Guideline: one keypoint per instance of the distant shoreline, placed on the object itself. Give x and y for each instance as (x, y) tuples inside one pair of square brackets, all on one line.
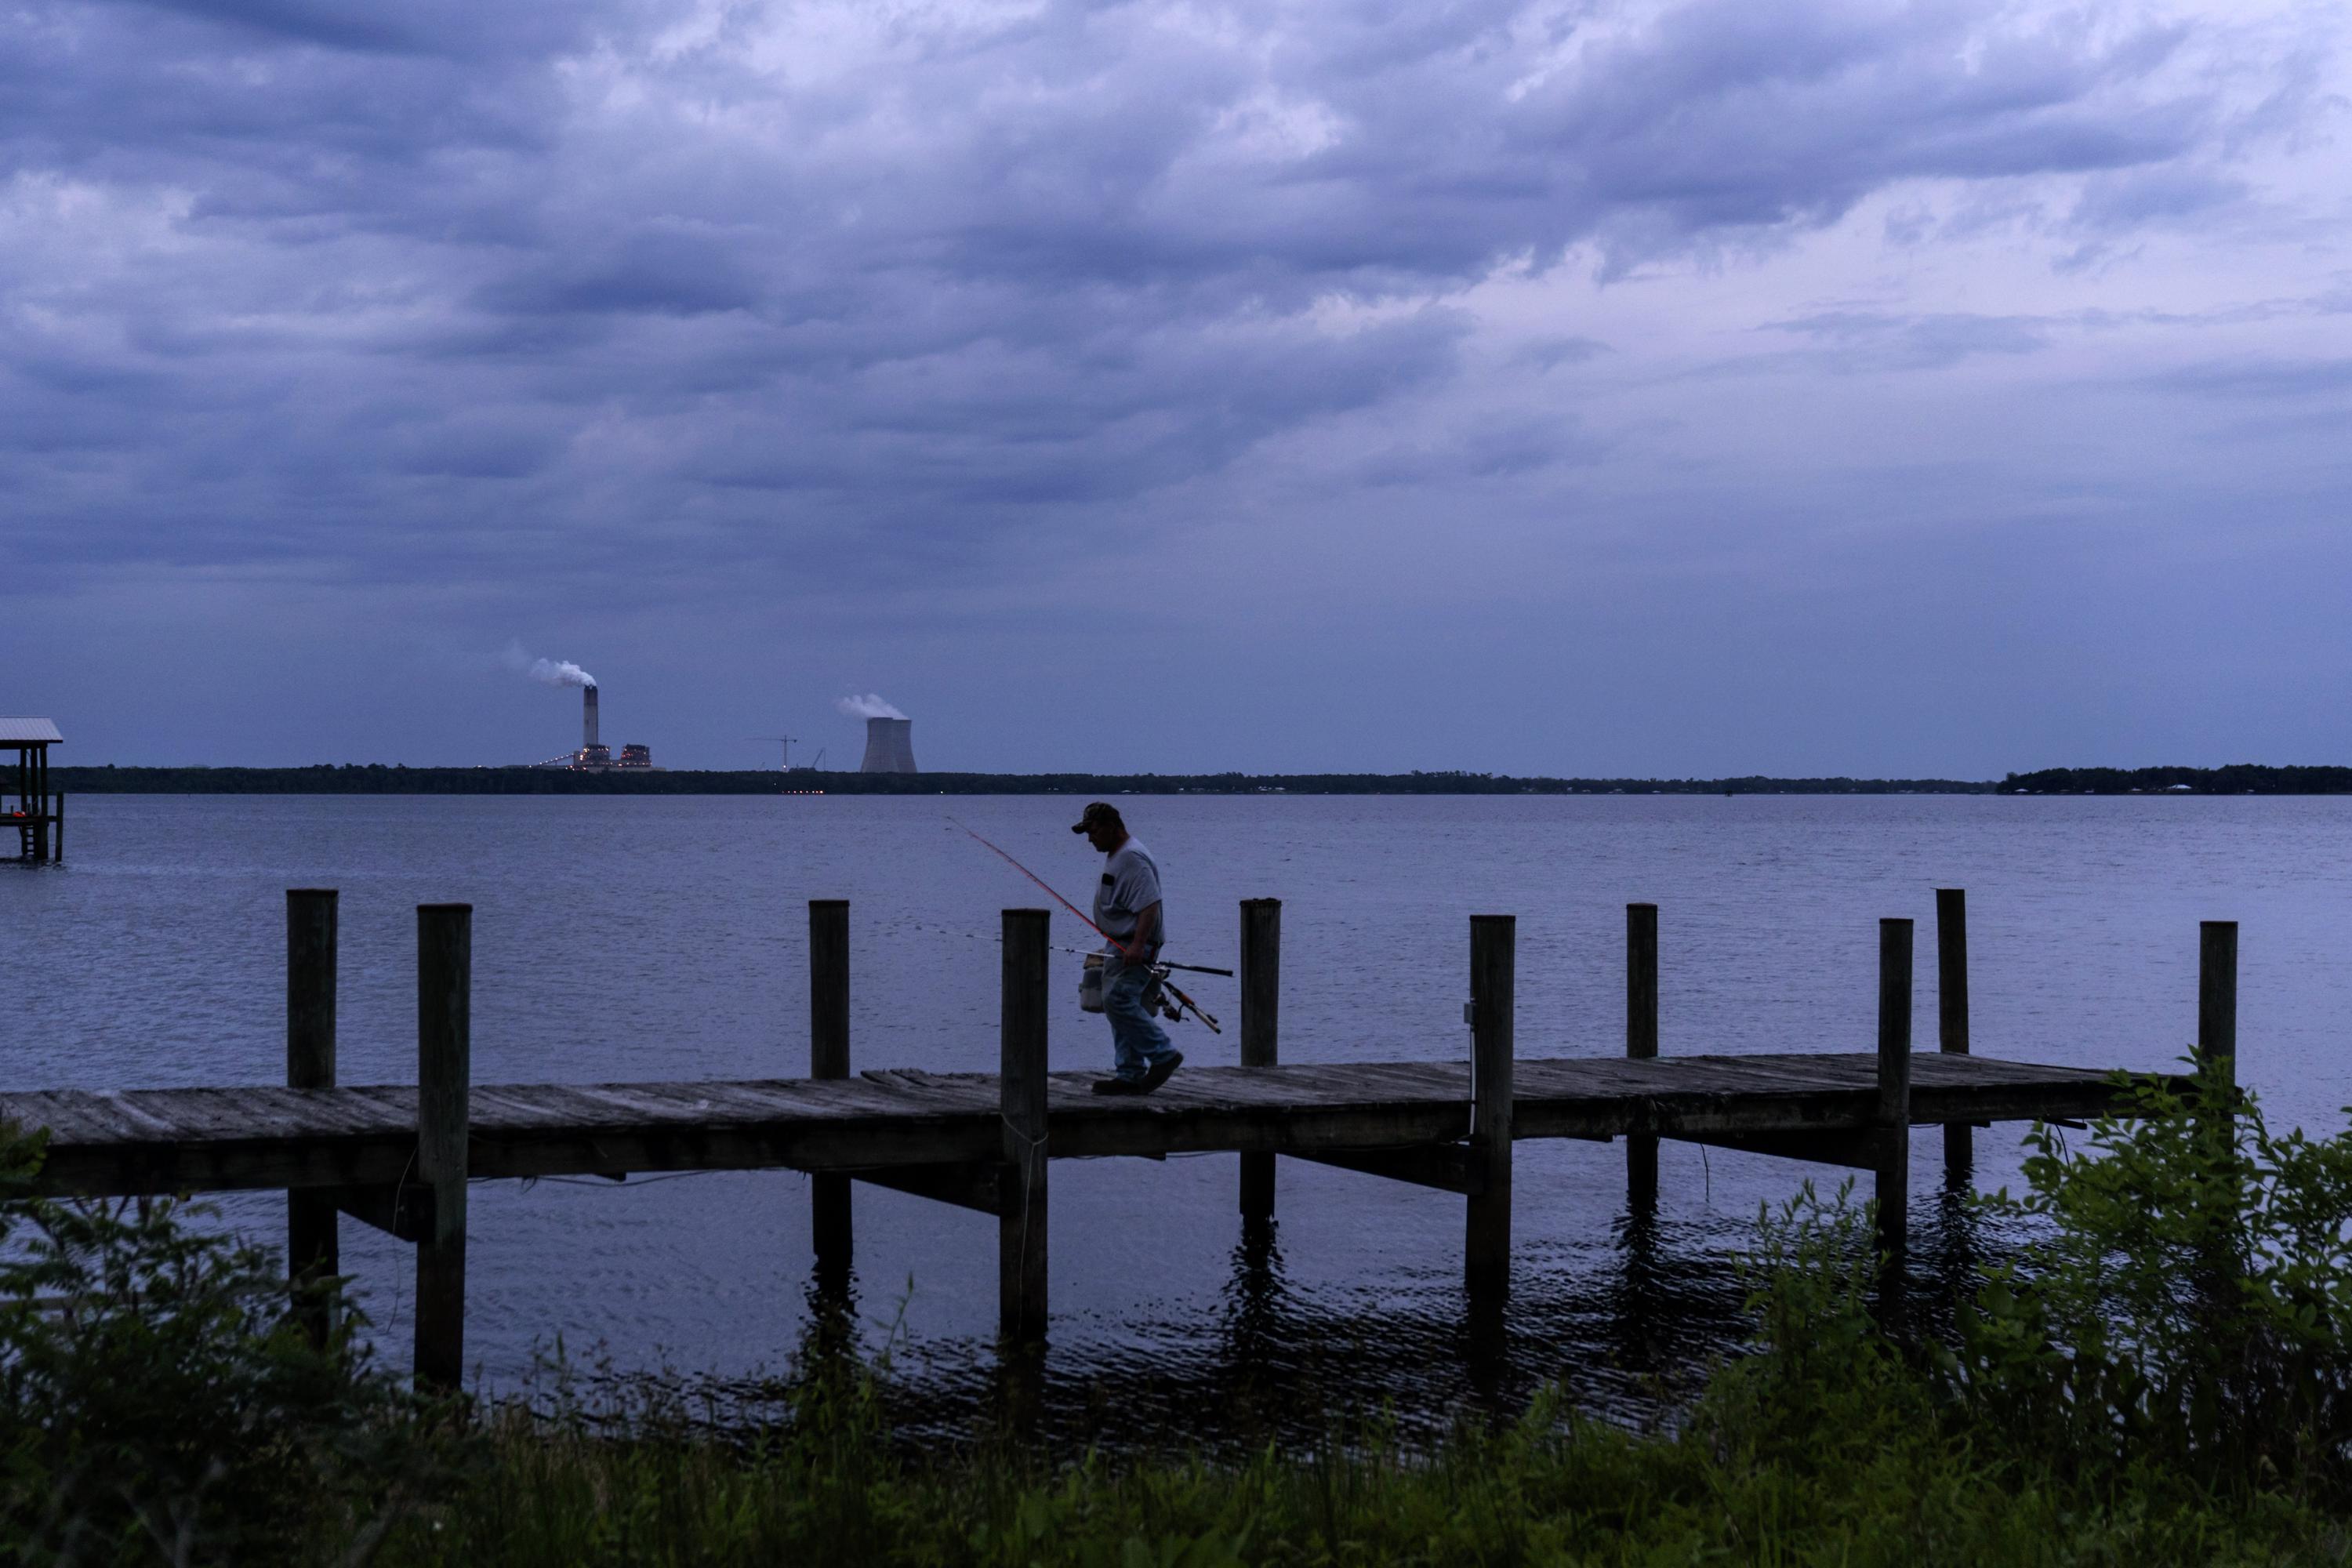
[(375, 778)]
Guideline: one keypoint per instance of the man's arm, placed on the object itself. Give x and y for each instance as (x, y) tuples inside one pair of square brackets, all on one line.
[(1147, 921)]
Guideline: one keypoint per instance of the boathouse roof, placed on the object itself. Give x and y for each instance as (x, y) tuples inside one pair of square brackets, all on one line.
[(27, 731)]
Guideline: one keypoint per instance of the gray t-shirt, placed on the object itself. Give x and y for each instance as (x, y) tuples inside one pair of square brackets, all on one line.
[(1131, 884)]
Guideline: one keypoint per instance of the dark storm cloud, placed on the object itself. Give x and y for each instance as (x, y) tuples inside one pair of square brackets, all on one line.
[(655, 270)]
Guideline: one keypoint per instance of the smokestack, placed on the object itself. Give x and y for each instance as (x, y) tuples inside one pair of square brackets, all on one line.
[(588, 717), (889, 746)]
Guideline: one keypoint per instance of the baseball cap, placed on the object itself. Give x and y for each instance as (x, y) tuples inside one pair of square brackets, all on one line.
[(1098, 811)]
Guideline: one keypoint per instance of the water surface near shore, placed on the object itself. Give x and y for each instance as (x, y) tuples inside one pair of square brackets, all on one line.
[(664, 938)]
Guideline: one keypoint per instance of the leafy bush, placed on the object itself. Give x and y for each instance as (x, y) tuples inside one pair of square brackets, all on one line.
[(2183, 1297), (157, 1404)]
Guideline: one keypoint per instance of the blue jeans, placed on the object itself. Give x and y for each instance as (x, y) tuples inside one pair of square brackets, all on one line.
[(1137, 1043)]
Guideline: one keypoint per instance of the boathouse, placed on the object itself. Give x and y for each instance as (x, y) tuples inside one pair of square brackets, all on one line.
[(37, 812)]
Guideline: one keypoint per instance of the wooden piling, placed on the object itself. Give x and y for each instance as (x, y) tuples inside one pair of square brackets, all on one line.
[(1261, 980), (444, 963), (312, 1249), (1894, 1129), (1952, 1016), (2217, 1015), (831, 1234), (1021, 1228), (2216, 997), (1493, 942), (2217, 1061), (1641, 1044)]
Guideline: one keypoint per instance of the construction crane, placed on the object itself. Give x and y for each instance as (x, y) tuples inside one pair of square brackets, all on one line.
[(787, 739)]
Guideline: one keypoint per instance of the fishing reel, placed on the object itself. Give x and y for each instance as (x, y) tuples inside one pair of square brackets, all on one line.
[(1156, 1000), (1172, 1003)]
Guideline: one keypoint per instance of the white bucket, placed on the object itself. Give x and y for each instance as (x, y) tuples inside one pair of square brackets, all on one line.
[(1090, 984)]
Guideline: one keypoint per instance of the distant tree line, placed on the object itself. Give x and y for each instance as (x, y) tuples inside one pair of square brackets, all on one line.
[(2239, 778), (376, 778)]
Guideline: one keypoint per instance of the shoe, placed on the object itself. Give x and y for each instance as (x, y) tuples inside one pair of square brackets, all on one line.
[(1123, 1086), (1161, 1071)]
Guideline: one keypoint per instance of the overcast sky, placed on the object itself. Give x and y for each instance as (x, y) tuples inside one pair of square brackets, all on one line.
[(1808, 386)]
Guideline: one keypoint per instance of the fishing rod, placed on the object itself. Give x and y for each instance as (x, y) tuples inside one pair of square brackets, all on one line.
[(1188, 968)]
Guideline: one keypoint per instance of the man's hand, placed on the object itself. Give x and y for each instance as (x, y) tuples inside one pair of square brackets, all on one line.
[(1147, 922)]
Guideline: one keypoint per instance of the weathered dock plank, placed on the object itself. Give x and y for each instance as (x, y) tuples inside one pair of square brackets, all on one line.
[(120, 1141)]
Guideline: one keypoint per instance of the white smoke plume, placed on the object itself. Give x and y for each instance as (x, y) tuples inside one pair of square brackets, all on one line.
[(560, 672), (554, 671), (869, 707)]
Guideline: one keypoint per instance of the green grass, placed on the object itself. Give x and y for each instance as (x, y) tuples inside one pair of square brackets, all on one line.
[(1858, 1469)]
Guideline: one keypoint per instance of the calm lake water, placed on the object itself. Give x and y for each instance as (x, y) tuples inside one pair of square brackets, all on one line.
[(664, 938)]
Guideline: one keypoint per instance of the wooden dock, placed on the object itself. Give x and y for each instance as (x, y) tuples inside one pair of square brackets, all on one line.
[(399, 1156), (118, 1143)]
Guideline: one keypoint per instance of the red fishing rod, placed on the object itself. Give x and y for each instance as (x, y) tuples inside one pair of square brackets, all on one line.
[(1188, 968)]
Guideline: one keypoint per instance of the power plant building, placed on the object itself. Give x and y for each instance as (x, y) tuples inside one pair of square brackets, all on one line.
[(593, 756), (889, 746)]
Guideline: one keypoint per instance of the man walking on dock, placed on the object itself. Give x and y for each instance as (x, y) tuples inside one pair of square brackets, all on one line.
[(1128, 913)]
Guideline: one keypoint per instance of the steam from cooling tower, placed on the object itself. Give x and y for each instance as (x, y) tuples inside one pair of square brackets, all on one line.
[(869, 707)]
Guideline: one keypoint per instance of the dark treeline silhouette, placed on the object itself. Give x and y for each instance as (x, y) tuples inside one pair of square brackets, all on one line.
[(375, 778), (2239, 778)]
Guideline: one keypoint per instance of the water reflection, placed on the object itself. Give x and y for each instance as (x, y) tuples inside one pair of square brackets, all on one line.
[(1630, 1342)]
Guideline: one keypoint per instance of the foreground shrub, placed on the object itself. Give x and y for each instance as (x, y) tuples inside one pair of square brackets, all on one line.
[(2182, 1297), (156, 1403)]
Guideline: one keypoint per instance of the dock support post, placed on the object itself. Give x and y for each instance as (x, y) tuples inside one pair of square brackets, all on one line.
[(444, 968), (1021, 1226), (40, 804), (2217, 1008), (1641, 1044), (2217, 1057), (1493, 941), (312, 1239), (1894, 1152), (1952, 1017), (1261, 1012), (830, 1230), (2216, 997)]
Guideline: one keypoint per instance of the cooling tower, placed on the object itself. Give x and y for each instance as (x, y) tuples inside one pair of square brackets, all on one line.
[(889, 746), (588, 717)]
